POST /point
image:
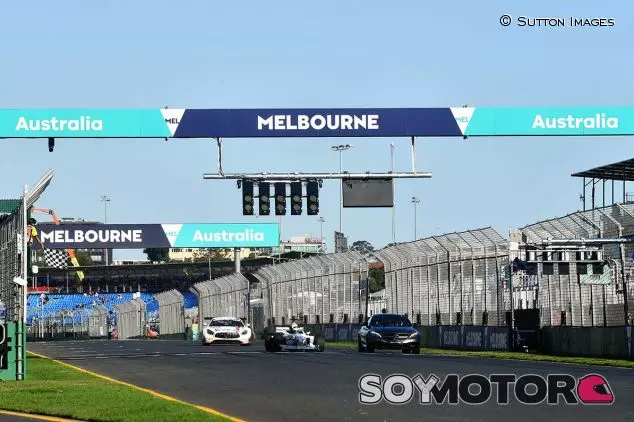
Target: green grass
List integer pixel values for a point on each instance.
(511, 355)
(56, 390)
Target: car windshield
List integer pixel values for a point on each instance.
(390, 321)
(226, 323)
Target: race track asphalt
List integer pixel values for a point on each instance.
(250, 384)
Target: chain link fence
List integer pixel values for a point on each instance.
(130, 319)
(225, 296)
(99, 323)
(320, 289)
(449, 279)
(569, 291)
(171, 313)
(77, 324)
(11, 232)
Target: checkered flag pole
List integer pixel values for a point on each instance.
(56, 258)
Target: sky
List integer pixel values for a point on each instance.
(327, 54)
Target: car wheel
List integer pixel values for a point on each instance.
(320, 342)
(369, 348)
(360, 347)
(416, 350)
(268, 344)
(406, 351)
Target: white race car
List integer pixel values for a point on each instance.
(280, 338)
(226, 330)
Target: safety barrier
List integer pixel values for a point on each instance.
(171, 313)
(320, 289)
(76, 324)
(450, 279)
(98, 326)
(225, 296)
(11, 231)
(130, 319)
(564, 295)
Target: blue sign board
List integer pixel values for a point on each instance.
(141, 236)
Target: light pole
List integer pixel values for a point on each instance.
(340, 149)
(393, 205)
(415, 201)
(105, 200)
(321, 220)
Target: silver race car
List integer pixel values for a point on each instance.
(286, 338)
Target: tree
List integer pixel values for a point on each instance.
(391, 244)
(362, 246)
(376, 277)
(84, 258)
(157, 254)
(212, 254)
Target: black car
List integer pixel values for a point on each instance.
(389, 331)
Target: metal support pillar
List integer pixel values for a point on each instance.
(414, 154)
(236, 254)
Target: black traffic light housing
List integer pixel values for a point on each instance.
(296, 198)
(247, 198)
(264, 193)
(312, 198)
(280, 198)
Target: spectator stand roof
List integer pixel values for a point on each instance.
(621, 171)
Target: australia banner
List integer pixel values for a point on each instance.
(141, 236)
(311, 122)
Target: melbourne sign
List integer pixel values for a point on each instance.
(140, 236)
(330, 122)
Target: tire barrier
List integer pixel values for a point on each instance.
(171, 313)
(130, 319)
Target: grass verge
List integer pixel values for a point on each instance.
(55, 390)
(621, 363)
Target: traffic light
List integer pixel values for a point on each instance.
(264, 191)
(312, 195)
(296, 198)
(280, 199)
(247, 197)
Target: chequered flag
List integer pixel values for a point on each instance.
(56, 258)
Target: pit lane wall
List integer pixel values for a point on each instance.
(442, 336)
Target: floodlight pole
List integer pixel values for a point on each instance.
(415, 201)
(105, 200)
(340, 149)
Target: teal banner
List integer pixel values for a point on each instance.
(83, 124)
(315, 123)
(230, 235)
(556, 121)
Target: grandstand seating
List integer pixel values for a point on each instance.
(81, 304)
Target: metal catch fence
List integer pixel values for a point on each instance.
(225, 296)
(11, 232)
(171, 312)
(320, 289)
(76, 324)
(130, 319)
(450, 279)
(568, 291)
